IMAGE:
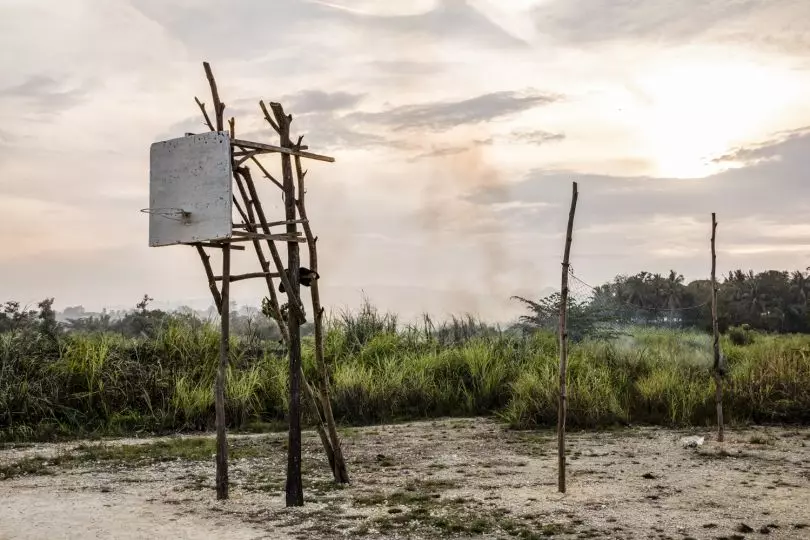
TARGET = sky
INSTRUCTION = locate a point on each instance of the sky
(458, 127)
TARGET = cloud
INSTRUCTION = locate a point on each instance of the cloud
(779, 26)
(248, 29)
(251, 29)
(537, 137)
(591, 21)
(324, 131)
(310, 101)
(45, 94)
(659, 222)
(763, 151)
(455, 20)
(444, 151)
(449, 114)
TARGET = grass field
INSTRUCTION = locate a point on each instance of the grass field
(103, 383)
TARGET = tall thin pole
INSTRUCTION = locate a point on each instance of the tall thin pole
(294, 488)
(561, 410)
(224, 350)
(718, 368)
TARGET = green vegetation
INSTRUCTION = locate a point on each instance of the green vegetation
(154, 371)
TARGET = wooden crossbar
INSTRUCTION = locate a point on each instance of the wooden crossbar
(256, 226)
(213, 245)
(251, 275)
(280, 149)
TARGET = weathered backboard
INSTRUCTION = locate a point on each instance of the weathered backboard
(190, 189)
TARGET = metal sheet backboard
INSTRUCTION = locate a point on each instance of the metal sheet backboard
(192, 173)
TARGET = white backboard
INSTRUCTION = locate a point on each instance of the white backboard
(192, 174)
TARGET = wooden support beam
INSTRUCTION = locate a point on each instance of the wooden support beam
(251, 275)
(249, 217)
(219, 392)
(296, 306)
(242, 153)
(281, 150)
(245, 236)
(294, 488)
(201, 105)
(206, 262)
(331, 443)
(215, 246)
(254, 226)
(266, 173)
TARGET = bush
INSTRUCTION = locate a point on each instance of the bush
(741, 335)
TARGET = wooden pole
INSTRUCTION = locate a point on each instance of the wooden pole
(294, 487)
(561, 410)
(718, 369)
(206, 261)
(219, 107)
(222, 443)
(339, 469)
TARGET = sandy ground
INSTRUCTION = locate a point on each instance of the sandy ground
(458, 478)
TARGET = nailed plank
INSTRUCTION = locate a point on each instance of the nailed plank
(251, 275)
(270, 224)
(215, 246)
(273, 237)
(280, 149)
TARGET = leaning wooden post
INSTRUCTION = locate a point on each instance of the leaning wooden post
(339, 470)
(718, 368)
(224, 351)
(561, 411)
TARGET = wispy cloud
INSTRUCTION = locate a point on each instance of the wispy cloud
(537, 137)
(45, 94)
(448, 114)
(590, 21)
(444, 151)
(310, 101)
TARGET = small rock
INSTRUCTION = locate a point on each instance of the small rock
(744, 528)
(106, 489)
(692, 442)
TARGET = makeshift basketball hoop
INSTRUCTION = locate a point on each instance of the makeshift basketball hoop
(195, 184)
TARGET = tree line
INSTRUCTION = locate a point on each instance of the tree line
(770, 301)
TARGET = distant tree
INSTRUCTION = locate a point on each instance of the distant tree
(47, 319)
(586, 319)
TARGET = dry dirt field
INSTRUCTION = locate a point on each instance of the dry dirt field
(458, 478)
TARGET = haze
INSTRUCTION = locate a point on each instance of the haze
(457, 127)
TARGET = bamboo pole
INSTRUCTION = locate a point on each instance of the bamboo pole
(222, 442)
(561, 411)
(718, 374)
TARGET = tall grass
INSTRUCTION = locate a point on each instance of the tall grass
(381, 372)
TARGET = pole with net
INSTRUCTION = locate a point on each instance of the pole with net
(561, 413)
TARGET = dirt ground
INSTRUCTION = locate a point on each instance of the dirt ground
(457, 478)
